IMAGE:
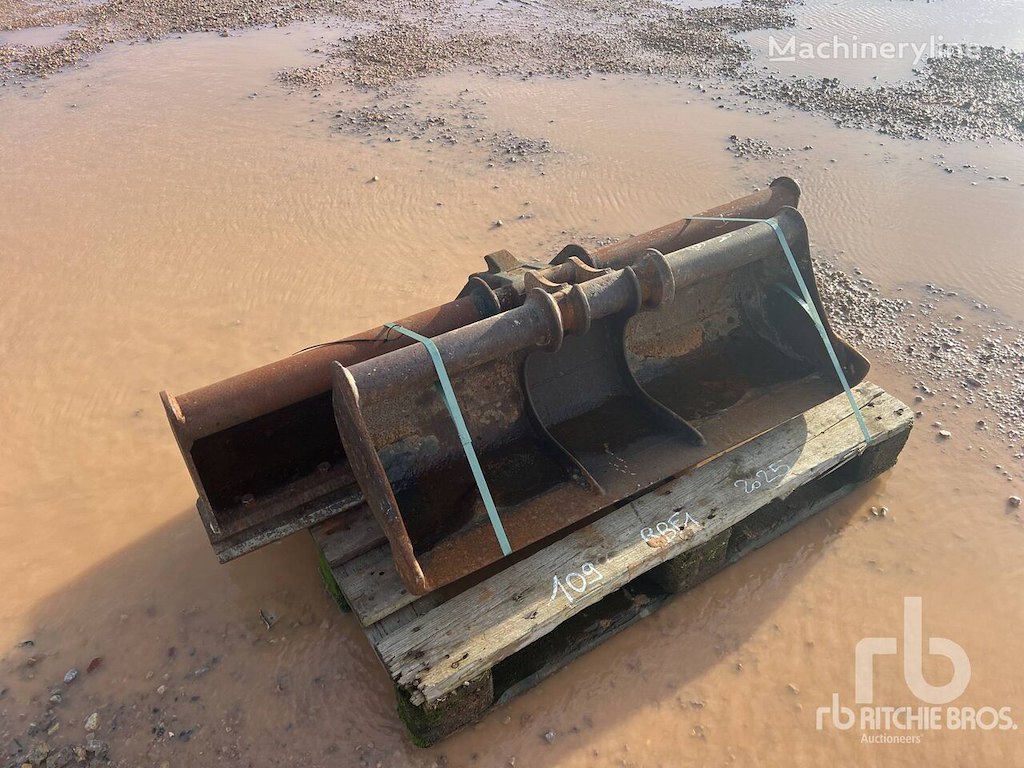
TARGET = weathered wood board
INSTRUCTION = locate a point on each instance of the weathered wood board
(479, 627)
(437, 647)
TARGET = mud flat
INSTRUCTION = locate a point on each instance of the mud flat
(966, 92)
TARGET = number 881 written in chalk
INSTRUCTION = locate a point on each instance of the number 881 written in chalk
(668, 528)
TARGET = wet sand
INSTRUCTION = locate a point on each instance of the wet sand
(174, 213)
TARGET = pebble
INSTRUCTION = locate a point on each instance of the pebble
(70, 675)
(92, 722)
(38, 754)
(1014, 501)
(549, 737)
(945, 434)
(97, 748)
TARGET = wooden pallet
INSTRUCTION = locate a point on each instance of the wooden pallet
(454, 653)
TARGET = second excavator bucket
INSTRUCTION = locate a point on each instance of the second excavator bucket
(596, 389)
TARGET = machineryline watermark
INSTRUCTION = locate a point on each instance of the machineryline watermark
(838, 48)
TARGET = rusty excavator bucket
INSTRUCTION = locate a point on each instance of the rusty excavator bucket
(267, 459)
(604, 383)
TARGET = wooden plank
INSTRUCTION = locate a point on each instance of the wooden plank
(470, 633)
(392, 622)
(369, 581)
(371, 585)
(348, 535)
(641, 597)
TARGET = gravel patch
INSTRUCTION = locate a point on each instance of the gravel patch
(958, 354)
(959, 96)
(965, 94)
(458, 122)
(747, 147)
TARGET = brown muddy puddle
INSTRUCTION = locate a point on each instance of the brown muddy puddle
(172, 216)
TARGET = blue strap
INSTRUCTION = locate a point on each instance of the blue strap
(464, 438)
(807, 303)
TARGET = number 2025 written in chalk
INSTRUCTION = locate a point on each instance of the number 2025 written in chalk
(763, 477)
(575, 583)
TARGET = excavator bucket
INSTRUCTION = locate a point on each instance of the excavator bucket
(601, 385)
(262, 448)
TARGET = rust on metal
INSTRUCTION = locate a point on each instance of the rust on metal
(262, 447)
(585, 395)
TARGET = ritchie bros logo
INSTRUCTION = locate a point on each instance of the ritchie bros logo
(882, 724)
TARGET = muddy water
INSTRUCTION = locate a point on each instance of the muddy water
(172, 216)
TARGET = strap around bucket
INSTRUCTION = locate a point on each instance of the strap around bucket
(807, 303)
(460, 426)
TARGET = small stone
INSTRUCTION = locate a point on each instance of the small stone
(945, 434)
(883, 511)
(375, 178)
(56, 698)
(70, 675)
(92, 722)
(38, 754)
(1014, 501)
(549, 737)
(96, 748)
(62, 758)
(793, 688)
(161, 690)
(201, 671)
(499, 223)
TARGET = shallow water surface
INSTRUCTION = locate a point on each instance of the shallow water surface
(173, 216)
(847, 36)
